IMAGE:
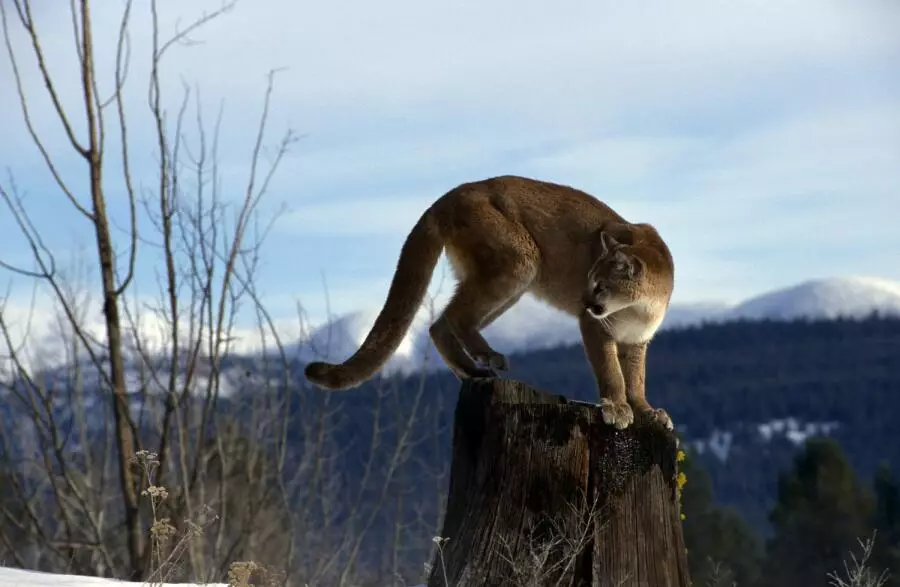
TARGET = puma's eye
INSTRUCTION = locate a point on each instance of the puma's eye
(621, 266)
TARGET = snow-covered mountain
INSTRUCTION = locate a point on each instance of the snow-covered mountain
(532, 325)
(849, 297)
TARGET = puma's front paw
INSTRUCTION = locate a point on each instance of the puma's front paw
(661, 417)
(492, 360)
(618, 414)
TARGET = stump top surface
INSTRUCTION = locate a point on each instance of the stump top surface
(555, 419)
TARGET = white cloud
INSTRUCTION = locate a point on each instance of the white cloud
(619, 161)
(762, 207)
(802, 186)
(357, 217)
(578, 63)
(853, 148)
(719, 123)
(396, 53)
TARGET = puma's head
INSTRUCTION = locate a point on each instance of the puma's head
(627, 274)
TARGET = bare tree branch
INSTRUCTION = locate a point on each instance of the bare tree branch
(23, 9)
(122, 61)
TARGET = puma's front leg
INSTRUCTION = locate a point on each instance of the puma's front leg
(633, 360)
(601, 352)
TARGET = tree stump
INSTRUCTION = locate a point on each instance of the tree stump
(542, 492)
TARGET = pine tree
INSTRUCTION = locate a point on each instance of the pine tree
(821, 512)
(722, 550)
(887, 524)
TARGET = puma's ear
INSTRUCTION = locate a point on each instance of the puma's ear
(636, 267)
(607, 243)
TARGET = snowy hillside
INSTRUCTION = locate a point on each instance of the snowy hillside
(529, 325)
(852, 297)
(532, 325)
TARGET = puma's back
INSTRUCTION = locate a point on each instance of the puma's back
(563, 225)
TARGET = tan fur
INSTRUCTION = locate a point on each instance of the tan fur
(507, 236)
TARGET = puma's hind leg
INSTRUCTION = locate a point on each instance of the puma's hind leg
(452, 350)
(473, 304)
(496, 261)
(489, 319)
(453, 353)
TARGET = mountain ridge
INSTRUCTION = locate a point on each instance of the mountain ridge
(532, 325)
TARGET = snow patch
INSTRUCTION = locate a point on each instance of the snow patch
(719, 444)
(21, 578)
(795, 431)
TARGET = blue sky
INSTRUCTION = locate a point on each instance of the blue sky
(762, 139)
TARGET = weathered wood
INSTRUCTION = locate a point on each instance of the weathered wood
(542, 492)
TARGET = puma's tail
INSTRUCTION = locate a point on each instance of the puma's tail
(418, 258)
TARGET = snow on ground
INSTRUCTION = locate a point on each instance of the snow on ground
(20, 578)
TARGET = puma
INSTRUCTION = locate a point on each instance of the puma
(509, 235)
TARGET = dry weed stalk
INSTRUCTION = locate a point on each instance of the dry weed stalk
(167, 549)
(551, 547)
(241, 573)
(858, 573)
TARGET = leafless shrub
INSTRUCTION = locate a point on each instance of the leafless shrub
(720, 575)
(858, 573)
(161, 371)
(553, 546)
(157, 362)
